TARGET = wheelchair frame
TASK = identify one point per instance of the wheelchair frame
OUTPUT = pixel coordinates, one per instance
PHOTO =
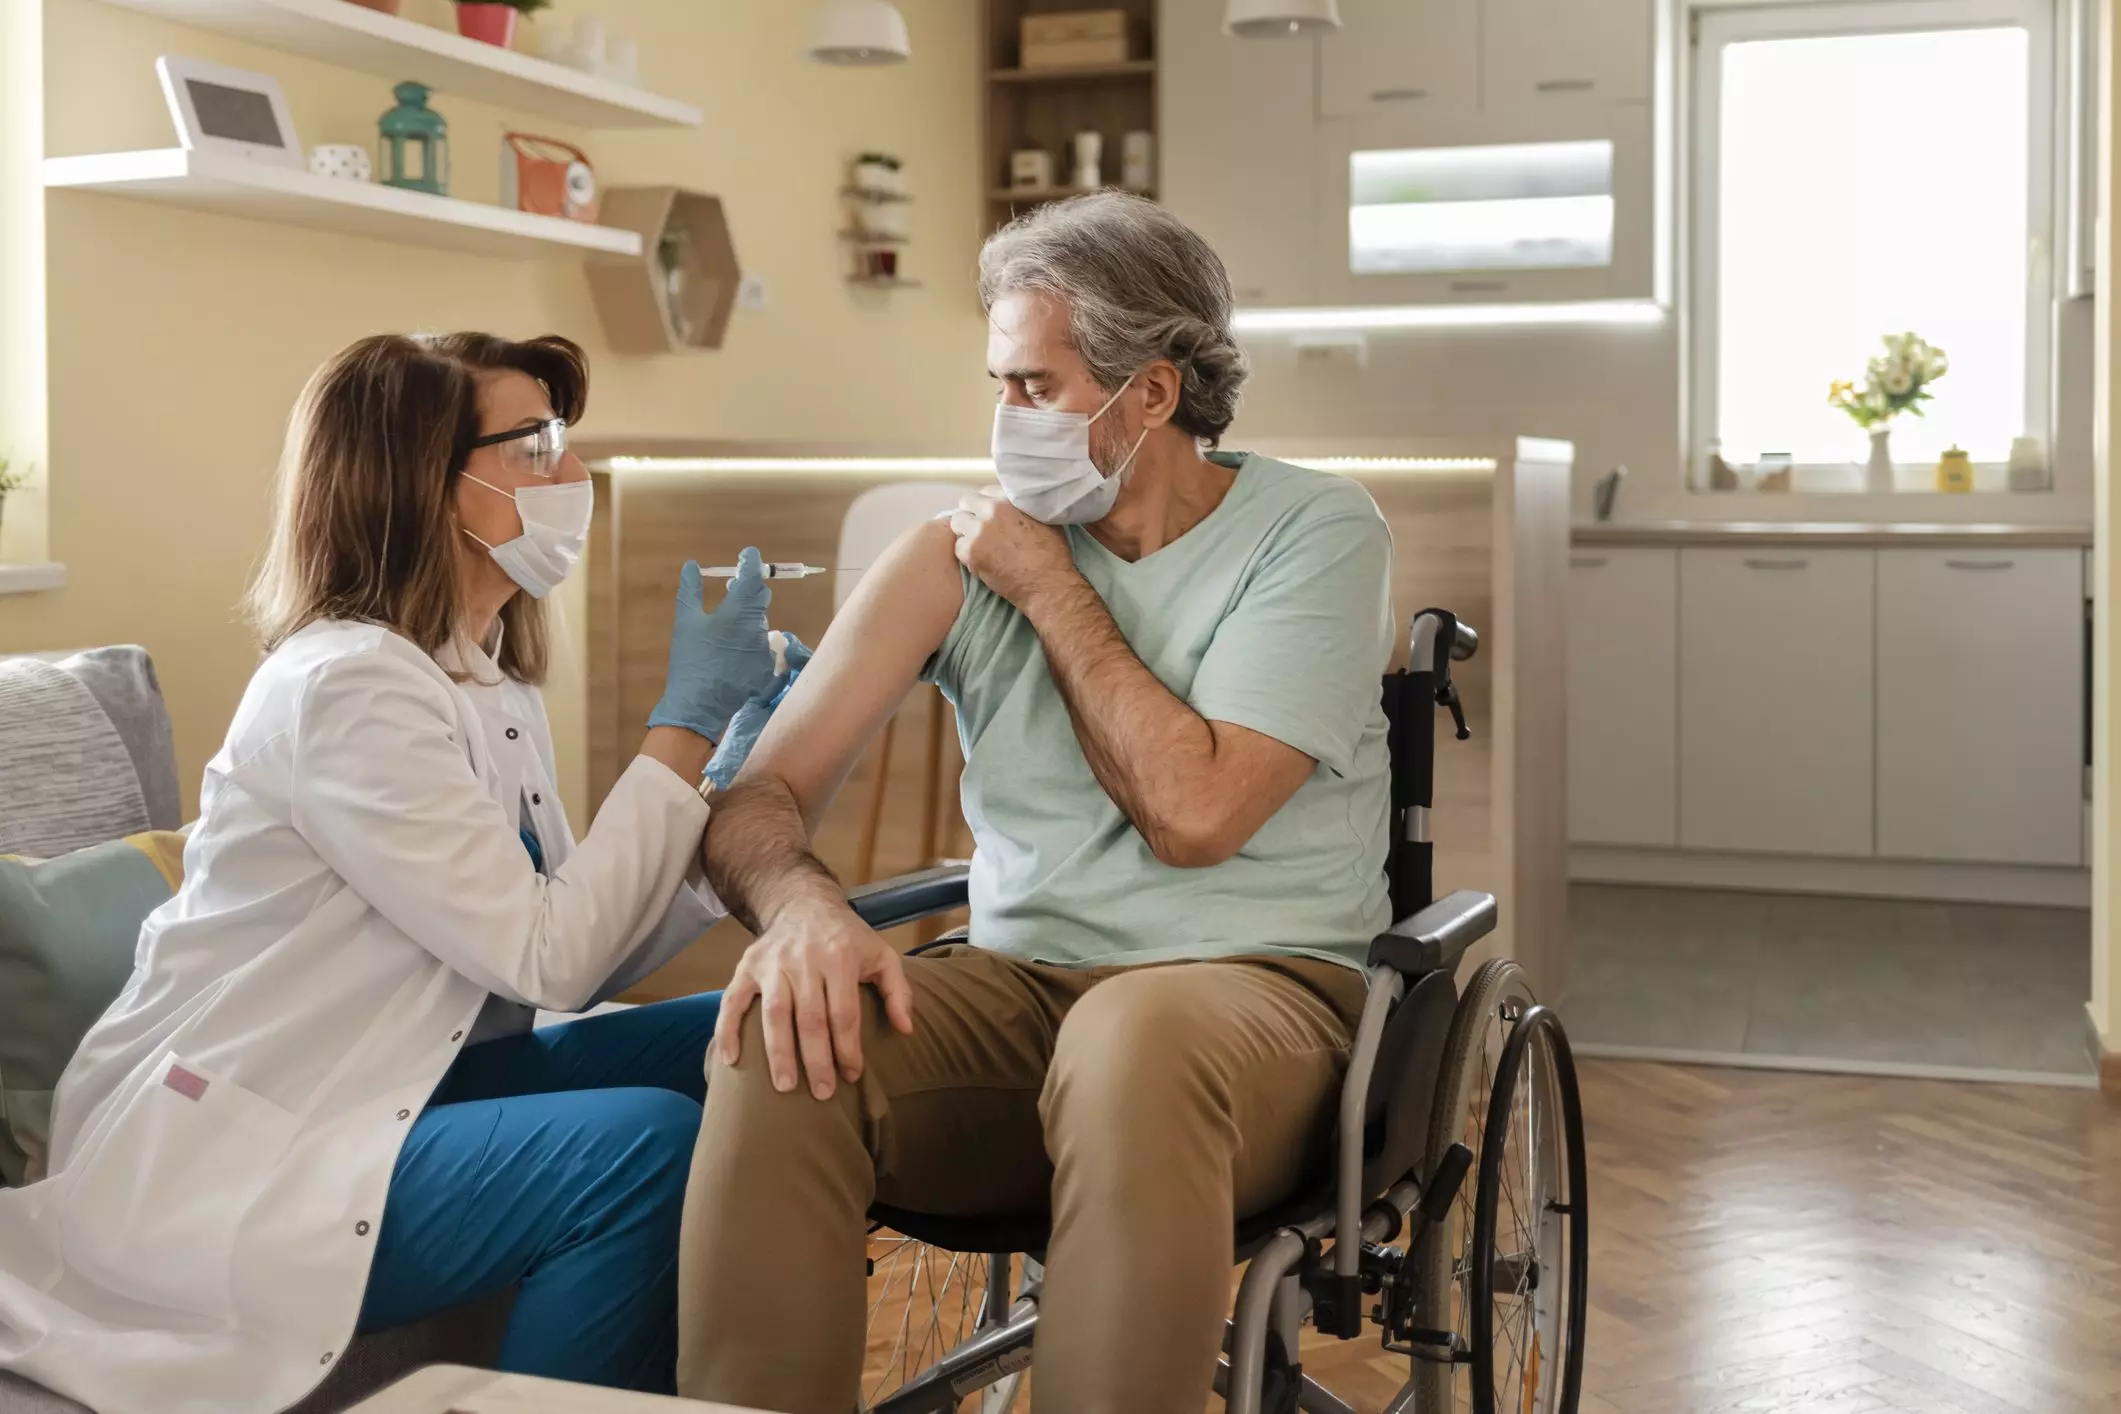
(1381, 1137)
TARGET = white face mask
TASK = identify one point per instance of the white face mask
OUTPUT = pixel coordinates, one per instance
(555, 528)
(1043, 461)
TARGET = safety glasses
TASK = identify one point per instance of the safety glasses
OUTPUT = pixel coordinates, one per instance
(535, 449)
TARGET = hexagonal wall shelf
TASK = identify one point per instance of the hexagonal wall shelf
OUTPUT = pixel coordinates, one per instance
(678, 293)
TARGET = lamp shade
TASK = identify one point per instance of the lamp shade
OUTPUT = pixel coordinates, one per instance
(1279, 19)
(859, 32)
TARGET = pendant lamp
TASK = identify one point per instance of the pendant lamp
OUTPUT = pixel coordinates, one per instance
(1281, 19)
(859, 32)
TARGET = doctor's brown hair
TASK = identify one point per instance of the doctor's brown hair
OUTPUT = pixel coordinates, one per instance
(364, 524)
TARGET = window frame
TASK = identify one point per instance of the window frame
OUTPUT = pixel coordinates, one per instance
(1715, 27)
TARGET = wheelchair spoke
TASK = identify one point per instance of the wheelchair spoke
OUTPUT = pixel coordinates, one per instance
(924, 1302)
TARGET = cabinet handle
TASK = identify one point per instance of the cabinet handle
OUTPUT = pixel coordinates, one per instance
(1396, 95)
(1588, 562)
(1565, 85)
(1755, 563)
(1979, 564)
(1479, 287)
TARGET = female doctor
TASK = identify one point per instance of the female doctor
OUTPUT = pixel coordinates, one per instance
(318, 1106)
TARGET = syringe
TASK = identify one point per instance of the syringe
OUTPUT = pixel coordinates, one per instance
(775, 569)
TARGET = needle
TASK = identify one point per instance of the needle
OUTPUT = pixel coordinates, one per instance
(775, 569)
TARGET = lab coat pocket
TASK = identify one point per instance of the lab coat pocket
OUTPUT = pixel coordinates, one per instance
(152, 1212)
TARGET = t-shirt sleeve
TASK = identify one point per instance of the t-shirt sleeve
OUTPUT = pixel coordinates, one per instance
(970, 643)
(1302, 654)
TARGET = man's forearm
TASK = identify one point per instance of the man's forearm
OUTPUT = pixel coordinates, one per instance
(1151, 752)
(758, 855)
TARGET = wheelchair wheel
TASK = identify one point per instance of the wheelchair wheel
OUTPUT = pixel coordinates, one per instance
(1516, 1311)
(924, 1302)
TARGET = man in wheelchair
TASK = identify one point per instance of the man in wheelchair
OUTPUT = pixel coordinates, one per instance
(1165, 664)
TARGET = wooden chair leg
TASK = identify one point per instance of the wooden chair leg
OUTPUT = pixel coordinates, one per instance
(959, 843)
(865, 857)
(932, 788)
(929, 929)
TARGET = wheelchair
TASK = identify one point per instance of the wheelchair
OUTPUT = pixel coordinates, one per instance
(1450, 1216)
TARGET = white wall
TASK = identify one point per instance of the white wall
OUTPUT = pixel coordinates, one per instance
(2104, 1008)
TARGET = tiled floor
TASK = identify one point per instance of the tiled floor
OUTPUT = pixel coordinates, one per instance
(1875, 982)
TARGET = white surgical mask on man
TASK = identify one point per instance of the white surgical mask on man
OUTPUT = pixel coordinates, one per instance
(555, 528)
(1042, 459)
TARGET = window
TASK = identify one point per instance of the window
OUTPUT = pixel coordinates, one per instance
(1861, 170)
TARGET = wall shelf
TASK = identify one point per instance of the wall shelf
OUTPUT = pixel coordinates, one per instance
(353, 37)
(1042, 110)
(261, 191)
(1038, 194)
(31, 579)
(884, 282)
(648, 306)
(1132, 68)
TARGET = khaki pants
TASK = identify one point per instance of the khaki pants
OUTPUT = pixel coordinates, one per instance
(1152, 1105)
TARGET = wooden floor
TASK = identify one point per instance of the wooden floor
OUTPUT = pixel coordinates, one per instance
(1779, 1243)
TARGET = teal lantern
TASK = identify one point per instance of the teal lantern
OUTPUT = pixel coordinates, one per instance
(413, 151)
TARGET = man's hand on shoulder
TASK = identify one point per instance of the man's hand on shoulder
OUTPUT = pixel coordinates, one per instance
(1021, 559)
(806, 973)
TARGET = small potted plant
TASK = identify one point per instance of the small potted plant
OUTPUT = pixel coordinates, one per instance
(494, 21)
(1895, 382)
(877, 174)
(11, 480)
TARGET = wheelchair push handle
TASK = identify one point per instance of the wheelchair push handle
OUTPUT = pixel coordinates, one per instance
(1439, 639)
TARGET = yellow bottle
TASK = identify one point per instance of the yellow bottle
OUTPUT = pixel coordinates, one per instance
(1955, 472)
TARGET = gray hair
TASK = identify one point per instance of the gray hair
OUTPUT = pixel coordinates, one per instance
(1138, 286)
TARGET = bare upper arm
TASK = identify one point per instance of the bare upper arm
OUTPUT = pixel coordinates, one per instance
(897, 617)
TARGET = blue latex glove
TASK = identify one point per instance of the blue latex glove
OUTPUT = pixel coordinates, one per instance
(751, 719)
(719, 660)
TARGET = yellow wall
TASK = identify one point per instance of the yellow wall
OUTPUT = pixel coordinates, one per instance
(22, 438)
(178, 340)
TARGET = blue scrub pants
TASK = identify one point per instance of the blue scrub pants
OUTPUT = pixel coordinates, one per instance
(555, 1162)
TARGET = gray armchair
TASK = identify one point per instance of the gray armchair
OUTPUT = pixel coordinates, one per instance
(89, 758)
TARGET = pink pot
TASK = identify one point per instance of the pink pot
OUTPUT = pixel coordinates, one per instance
(495, 24)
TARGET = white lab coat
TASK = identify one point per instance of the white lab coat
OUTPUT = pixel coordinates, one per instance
(354, 892)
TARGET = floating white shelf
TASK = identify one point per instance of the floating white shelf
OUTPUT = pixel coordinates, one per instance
(235, 186)
(398, 49)
(29, 579)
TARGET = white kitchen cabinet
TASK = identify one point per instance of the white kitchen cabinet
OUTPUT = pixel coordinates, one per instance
(1980, 705)
(1475, 217)
(1776, 700)
(1391, 56)
(1624, 696)
(1235, 121)
(1555, 54)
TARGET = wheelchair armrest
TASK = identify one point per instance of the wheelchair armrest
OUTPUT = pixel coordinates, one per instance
(1436, 937)
(910, 897)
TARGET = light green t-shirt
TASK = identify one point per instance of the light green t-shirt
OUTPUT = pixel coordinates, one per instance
(1273, 613)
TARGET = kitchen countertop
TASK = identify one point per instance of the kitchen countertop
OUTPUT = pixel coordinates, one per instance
(1852, 533)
